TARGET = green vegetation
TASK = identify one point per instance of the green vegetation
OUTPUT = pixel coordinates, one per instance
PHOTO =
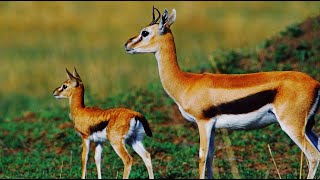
(37, 139)
(293, 31)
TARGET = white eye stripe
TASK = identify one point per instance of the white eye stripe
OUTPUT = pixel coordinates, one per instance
(136, 41)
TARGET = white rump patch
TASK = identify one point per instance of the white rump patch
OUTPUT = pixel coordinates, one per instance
(131, 129)
(135, 132)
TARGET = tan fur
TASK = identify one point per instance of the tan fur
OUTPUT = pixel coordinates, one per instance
(85, 117)
(196, 92)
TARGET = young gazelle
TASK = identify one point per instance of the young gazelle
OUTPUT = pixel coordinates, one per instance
(235, 101)
(119, 126)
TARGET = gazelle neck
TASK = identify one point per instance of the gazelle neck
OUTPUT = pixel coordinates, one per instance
(76, 101)
(170, 73)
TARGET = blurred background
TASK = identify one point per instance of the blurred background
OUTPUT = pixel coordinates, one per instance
(38, 40)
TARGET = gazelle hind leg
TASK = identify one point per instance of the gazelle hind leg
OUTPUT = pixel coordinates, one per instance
(313, 155)
(315, 140)
(313, 166)
(296, 133)
(313, 163)
(145, 155)
(119, 147)
(97, 158)
(311, 134)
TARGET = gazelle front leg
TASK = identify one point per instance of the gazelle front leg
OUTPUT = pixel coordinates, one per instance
(84, 157)
(97, 158)
(205, 129)
(210, 153)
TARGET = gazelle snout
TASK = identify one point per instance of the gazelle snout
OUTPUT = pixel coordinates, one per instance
(56, 93)
(127, 45)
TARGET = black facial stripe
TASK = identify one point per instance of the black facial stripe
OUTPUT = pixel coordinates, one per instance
(242, 105)
(140, 39)
(57, 89)
(98, 127)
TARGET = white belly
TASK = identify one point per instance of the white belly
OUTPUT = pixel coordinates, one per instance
(253, 120)
(99, 136)
(186, 115)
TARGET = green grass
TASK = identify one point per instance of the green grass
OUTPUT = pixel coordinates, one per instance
(41, 143)
(37, 146)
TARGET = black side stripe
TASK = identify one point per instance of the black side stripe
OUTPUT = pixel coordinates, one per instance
(243, 105)
(98, 127)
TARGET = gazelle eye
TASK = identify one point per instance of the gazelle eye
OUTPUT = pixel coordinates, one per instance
(145, 33)
(64, 86)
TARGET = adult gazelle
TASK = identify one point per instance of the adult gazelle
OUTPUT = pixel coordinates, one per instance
(233, 101)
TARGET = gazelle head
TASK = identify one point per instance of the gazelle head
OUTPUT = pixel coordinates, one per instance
(151, 37)
(69, 86)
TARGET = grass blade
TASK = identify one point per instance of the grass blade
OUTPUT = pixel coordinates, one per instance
(274, 161)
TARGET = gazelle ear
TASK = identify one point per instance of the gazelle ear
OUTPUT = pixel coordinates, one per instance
(163, 20)
(72, 78)
(75, 74)
(167, 20)
(172, 17)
